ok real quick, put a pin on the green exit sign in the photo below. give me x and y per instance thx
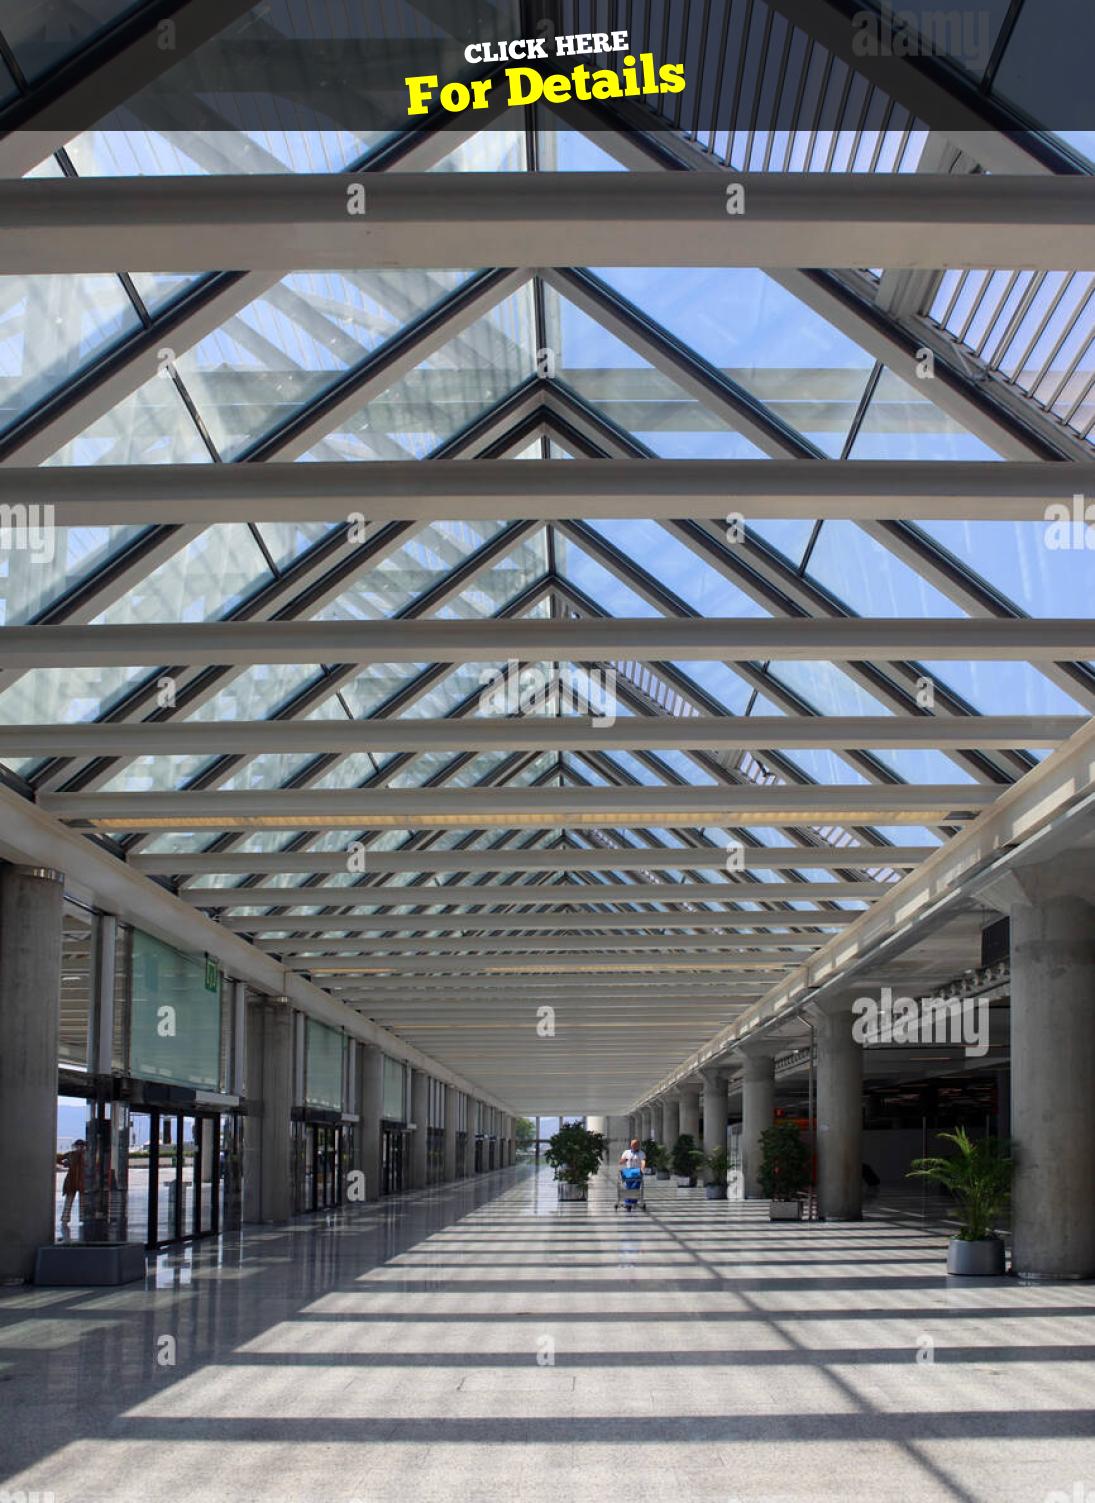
(212, 974)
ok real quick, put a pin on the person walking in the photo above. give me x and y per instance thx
(633, 1157)
(73, 1185)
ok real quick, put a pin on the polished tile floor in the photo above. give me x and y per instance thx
(480, 1341)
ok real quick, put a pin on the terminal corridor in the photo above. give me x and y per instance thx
(481, 1341)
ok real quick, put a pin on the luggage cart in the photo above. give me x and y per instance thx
(630, 1190)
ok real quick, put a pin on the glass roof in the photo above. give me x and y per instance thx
(621, 365)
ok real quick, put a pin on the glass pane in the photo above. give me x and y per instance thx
(30, 582)
(295, 341)
(53, 327)
(449, 390)
(43, 33)
(631, 393)
(764, 339)
(185, 153)
(657, 551)
(871, 580)
(150, 426)
(901, 422)
(1026, 562)
(401, 577)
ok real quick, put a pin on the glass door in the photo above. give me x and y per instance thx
(183, 1177)
(393, 1166)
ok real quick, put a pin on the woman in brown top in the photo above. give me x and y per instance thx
(74, 1179)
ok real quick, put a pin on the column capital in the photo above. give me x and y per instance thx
(824, 1008)
(714, 1075)
(1071, 875)
(759, 1048)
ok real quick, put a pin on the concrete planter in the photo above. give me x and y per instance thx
(662, 1174)
(715, 1192)
(572, 1192)
(983, 1259)
(648, 1173)
(685, 1181)
(785, 1210)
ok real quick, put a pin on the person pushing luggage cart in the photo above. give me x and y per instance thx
(629, 1187)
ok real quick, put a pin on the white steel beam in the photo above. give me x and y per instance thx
(326, 222)
(536, 733)
(562, 895)
(556, 922)
(476, 808)
(601, 639)
(513, 490)
(654, 858)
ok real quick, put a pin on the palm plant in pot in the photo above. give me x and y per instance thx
(784, 1170)
(575, 1154)
(660, 1160)
(686, 1159)
(716, 1165)
(979, 1178)
(649, 1147)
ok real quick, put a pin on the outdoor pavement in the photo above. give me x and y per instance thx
(480, 1341)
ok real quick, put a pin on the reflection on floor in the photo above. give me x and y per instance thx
(480, 1341)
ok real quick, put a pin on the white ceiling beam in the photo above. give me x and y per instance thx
(537, 733)
(525, 895)
(560, 922)
(332, 222)
(514, 490)
(633, 859)
(513, 808)
(606, 640)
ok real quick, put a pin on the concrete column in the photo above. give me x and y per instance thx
(688, 1115)
(448, 1170)
(658, 1120)
(839, 1114)
(715, 1114)
(1052, 1070)
(671, 1118)
(370, 1077)
(275, 1123)
(420, 1115)
(252, 1125)
(758, 1105)
(31, 900)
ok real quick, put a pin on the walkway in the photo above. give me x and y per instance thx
(480, 1342)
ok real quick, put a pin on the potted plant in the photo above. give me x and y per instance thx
(716, 1166)
(575, 1154)
(979, 1178)
(649, 1147)
(660, 1160)
(686, 1160)
(784, 1170)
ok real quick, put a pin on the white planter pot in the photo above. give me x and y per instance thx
(685, 1182)
(983, 1259)
(572, 1192)
(785, 1210)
